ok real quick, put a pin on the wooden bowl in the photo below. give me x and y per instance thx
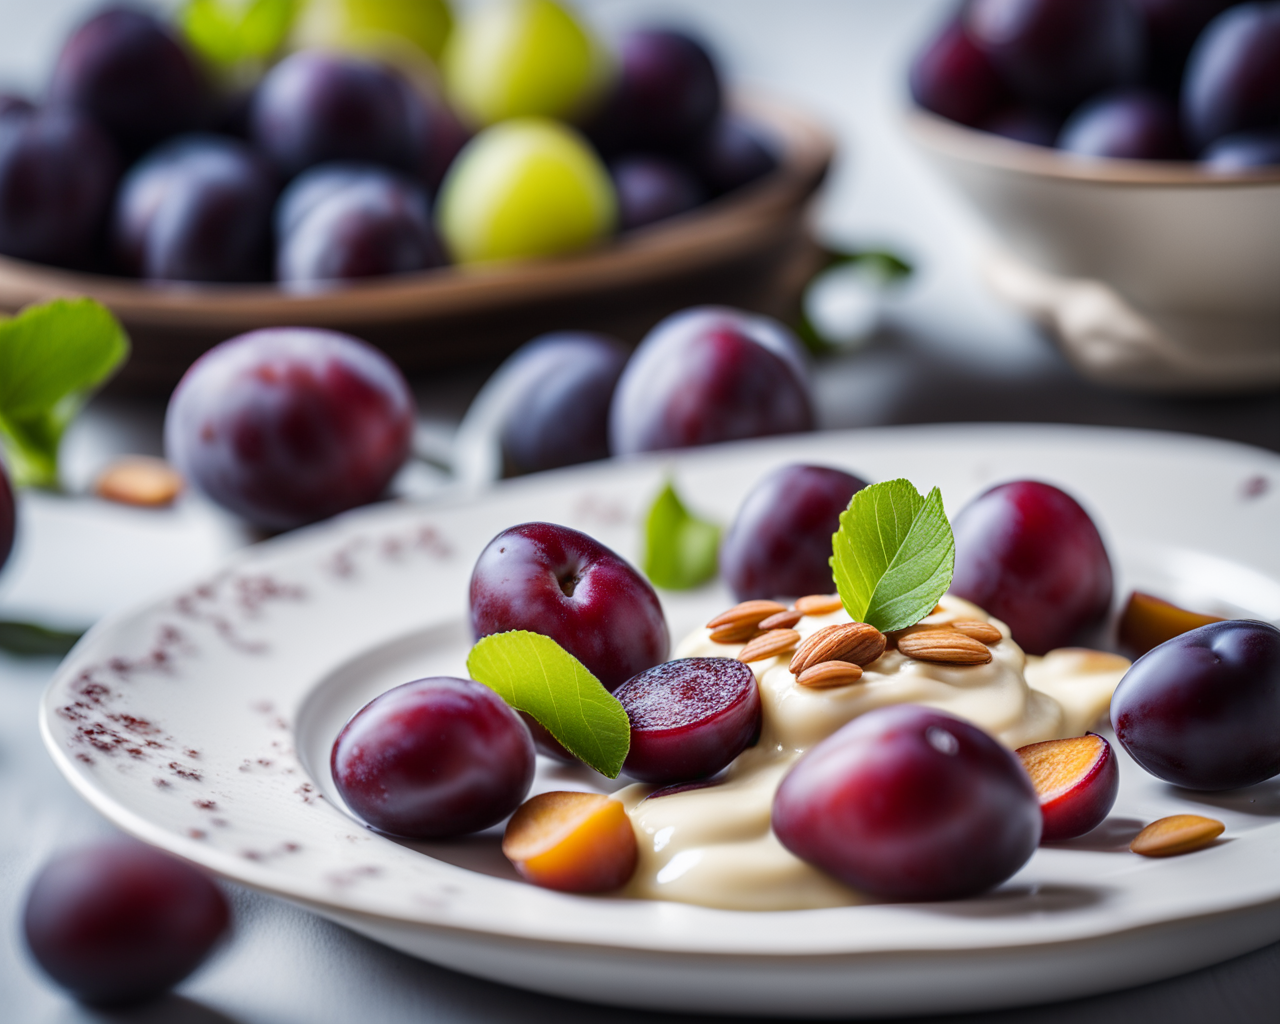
(750, 248)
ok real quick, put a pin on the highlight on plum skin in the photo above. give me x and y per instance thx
(1076, 779)
(907, 803)
(689, 718)
(432, 759)
(573, 842)
(118, 922)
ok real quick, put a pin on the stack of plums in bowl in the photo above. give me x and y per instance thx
(1132, 79)
(141, 161)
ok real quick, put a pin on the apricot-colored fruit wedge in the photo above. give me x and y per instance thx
(574, 842)
(1149, 621)
(1076, 779)
(139, 480)
(1179, 833)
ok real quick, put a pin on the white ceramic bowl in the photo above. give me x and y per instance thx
(1150, 273)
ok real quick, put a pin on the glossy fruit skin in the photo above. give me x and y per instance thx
(563, 584)
(129, 72)
(907, 803)
(706, 375)
(652, 188)
(373, 26)
(954, 78)
(1057, 52)
(689, 718)
(1027, 553)
(434, 758)
(197, 208)
(58, 171)
(118, 922)
(1200, 711)
(557, 409)
(780, 541)
(376, 224)
(732, 154)
(288, 425)
(1232, 81)
(1130, 125)
(1172, 27)
(8, 516)
(1084, 806)
(317, 106)
(1243, 151)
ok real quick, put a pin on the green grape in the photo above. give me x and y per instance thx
(516, 58)
(378, 26)
(526, 187)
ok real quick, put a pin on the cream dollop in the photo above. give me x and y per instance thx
(714, 846)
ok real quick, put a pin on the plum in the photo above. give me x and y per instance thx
(652, 188)
(574, 842)
(1202, 710)
(710, 374)
(1172, 27)
(1148, 621)
(434, 758)
(287, 425)
(733, 153)
(1076, 780)
(1243, 151)
(954, 78)
(907, 803)
(1232, 81)
(1024, 122)
(8, 516)
(1133, 124)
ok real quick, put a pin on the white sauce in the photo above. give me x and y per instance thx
(713, 846)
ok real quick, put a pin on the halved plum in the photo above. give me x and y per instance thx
(1076, 780)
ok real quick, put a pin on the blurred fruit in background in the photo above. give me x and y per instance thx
(1134, 124)
(8, 516)
(381, 27)
(652, 188)
(525, 187)
(1232, 82)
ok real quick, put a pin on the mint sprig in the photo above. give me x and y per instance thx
(227, 33)
(893, 555)
(536, 675)
(52, 357)
(680, 550)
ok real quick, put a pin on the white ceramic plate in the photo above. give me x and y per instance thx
(202, 724)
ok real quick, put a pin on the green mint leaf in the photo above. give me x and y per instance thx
(227, 33)
(893, 555)
(52, 356)
(680, 550)
(32, 641)
(536, 675)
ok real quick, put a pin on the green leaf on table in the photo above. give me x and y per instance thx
(680, 550)
(33, 641)
(893, 555)
(52, 356)
(536, 675)
(227, 33)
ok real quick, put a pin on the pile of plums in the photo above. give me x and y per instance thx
(1132, 79)
(337, 166)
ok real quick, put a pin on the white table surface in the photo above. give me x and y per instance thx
(948, 353)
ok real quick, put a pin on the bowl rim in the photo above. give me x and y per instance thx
(950, 138)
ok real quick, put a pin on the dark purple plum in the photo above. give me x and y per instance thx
(733, 153)
(129, 72)
(1232, 81)
(8, 516)
(368, 225)
(1131, 125)
(652, 188)
(1172, 27)
(1023, 123)
(1202, 710)
(434, 758)
(563, 584)
(118, 922)
(1243, 151)
(288, 425)
(706, 375)
(780, 542)
(318, 106)
(1027, 553)
(439, 138)
(1058, 52)
(312, 187)
(689, 718)
(198, 208)
(907, 803)
(58, 171)
(557, 390)
(952, 77)
(666, 95)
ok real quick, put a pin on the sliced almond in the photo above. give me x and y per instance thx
(139, 480)
(769, 645)
(783, 620)
(1180, 833)
(819, 604)
(982, 631)
(741, 622)
(944, 646)
(830, 673)
(855, 642)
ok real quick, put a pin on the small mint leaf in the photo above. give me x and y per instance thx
(51, 357)
(681, 550)
(536, 675)
(893, 555)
